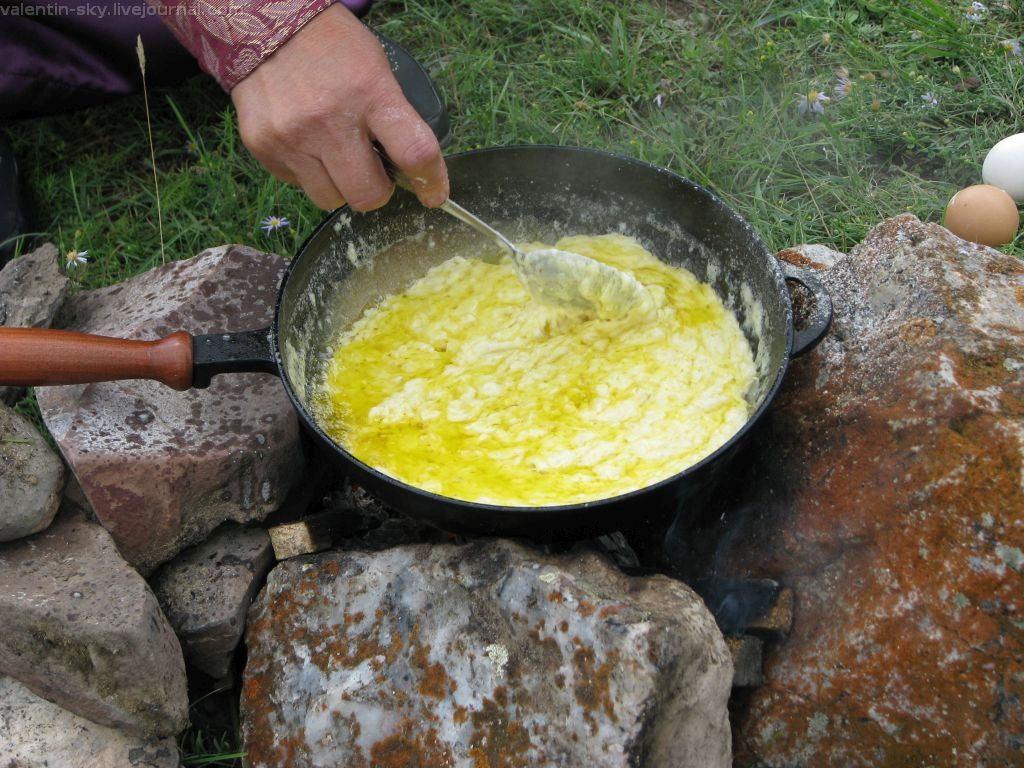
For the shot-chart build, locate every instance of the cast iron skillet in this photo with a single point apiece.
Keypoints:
(530, 193)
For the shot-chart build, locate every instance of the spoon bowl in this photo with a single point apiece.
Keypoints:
(569, 281)
(560, 278)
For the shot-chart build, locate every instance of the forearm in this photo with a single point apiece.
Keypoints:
(230, 38)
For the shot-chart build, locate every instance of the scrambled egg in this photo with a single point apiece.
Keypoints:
(465, 386)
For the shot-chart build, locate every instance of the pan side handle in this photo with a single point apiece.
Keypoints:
(819, 317)
(244, 352)
(35, 357)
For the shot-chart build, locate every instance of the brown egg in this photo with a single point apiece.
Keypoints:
(983, 214)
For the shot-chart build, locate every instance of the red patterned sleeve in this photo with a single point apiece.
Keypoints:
(230, 38)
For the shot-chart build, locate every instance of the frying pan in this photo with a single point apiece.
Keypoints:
(353, 260)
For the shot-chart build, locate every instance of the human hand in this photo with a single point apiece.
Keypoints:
(311, 110)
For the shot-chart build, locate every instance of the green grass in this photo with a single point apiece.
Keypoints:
(200, 749)
(588, 72)
(212, 739)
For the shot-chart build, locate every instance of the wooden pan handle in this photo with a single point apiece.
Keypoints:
(33, 357)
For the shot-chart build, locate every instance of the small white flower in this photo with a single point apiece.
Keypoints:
(812, 101)
(659, 100)
(930, 99)
(976, 12)
(844, 85)
(75, 258)
(1012, 46)
(274, 223)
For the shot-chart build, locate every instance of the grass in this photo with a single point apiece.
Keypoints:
(200, 749)
(708, 90)
(727, 75)
(213, 738)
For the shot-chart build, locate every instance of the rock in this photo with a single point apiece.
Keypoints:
(313, 534)
(162, 469)
(205, 592)
(82, 629)
(810, 256)
(484, 654)
(32, 290)
(37, 734)
(31, 478)
(887, 492)
(777, 622)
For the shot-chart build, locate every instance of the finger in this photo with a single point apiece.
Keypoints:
(280, 170)
(357, 172)
(316, 181)
(412, 146)
(262, 141)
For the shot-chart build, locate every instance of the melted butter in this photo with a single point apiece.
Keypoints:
(464, 386)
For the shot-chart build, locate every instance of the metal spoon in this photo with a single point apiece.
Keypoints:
(559, 278)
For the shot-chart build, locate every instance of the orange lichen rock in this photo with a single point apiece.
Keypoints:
(454, 656)
(892, 503)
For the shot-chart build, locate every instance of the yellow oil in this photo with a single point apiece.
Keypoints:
(465, 386)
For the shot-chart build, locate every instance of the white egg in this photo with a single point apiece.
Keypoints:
(1004, 166)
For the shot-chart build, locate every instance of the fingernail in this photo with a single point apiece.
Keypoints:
(434, 199)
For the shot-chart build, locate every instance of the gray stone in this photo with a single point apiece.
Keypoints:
(205, 592)
(811, 256)
(32, 290)
(82, 629)
(31, 478)
(162, 469)
(489, 653)
(37, 734)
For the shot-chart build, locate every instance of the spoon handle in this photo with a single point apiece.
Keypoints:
(395, 173)
(449, 206)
